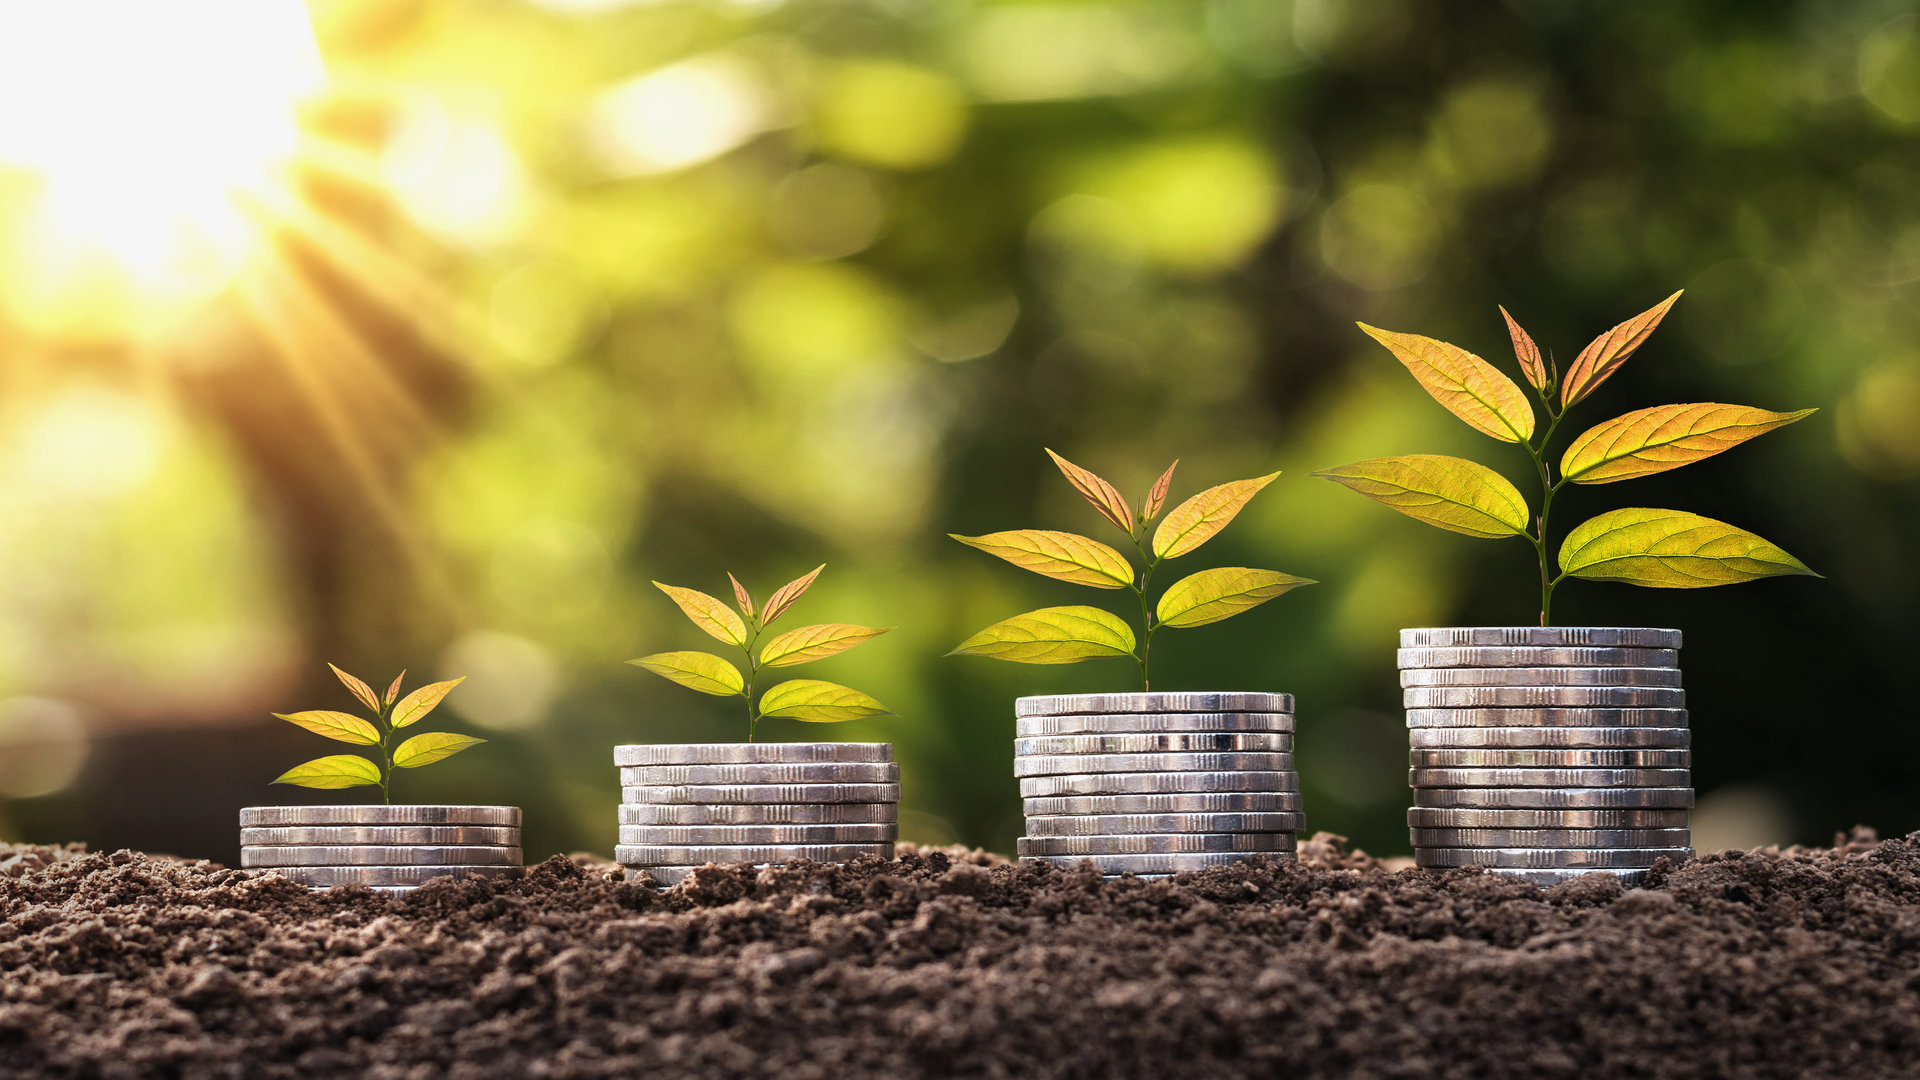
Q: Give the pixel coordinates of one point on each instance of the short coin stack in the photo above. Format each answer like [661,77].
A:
[1547,752]
[685,805]
[1156,783]
[387,848]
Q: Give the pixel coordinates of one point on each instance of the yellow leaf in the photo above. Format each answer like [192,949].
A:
[1526,352]
[815,643]
[1195,521]
[700,671]
[334,771]
[742,596]
[1056,635]
[338,726]
[1212,595]
[1468,386]
[1453,493]
[1665,437]
[431,747]
[1062,555]
[418,704]
[818,702]
[1157,498]
[783,598]
[708,613]
[1604,355]
[393,691]
[360,689]
[1670,549]
[1104,496]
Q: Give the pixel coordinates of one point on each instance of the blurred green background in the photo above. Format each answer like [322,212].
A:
[555,298]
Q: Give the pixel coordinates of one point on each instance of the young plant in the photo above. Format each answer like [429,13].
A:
[1665,549]
[810,700]
[1064,635]
[389,717]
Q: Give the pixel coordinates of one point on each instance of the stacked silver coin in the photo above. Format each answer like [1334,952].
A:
[687,805]
[1547,752]
[1156,783]
[387,848]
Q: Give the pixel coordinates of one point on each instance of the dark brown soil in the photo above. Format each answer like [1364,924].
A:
[1803,963]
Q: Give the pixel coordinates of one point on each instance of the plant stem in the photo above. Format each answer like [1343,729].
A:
[1548,487]
[386,766]
[753,669]
[1147,625]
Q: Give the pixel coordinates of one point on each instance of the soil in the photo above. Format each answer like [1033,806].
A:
[1795,963]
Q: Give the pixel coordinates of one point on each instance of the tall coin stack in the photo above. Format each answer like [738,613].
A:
[685,805]
[388,848]
[1156,783]
[1547,752]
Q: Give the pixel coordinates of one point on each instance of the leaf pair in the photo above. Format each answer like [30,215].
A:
[352,770]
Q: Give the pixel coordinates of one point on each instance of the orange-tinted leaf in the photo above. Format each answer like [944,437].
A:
[1664,437]
[1604,355]
[339,726]
[709,613]
[1670,549]
[360,689]
[816,643]
[1056,635]
[431,747]
[1527,353]
[1195,521]
[819,702]
[393,691]
[1104,496]
[1157,498]
[1061,555]
[1456,494]
[334,771]
[700,671]
[741,596]
[415,706]
[780,601]
[1212,595]
[1468,386]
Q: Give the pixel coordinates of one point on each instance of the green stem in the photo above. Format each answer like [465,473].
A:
[1147,625]
[386,754]
[1548,488]
[753,669]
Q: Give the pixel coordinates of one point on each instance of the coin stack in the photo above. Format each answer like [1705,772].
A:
[388,848]
[1156,783]
[686,805]
[1547,752]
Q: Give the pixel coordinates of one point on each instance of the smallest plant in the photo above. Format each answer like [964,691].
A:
[390,714]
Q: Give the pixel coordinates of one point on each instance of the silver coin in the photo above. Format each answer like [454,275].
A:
[1549,878]
[1155,864]
[1548,778]
[1119,824]
[378,855]
[1139,763]
[750,753]
[1550,858]
[824,772]
[700,854]
[694,835]
[762,793]
[1540,676]
[1157,702]
[1536,656]
[1428,817]
[379,815]
[1506,758]
[1541,717]
[402,835]
[1156,783]
[759,813]
[1515,738]
[1455,637]
[1226,802]
[1153,843]
[1656,798]
[1503,697]
[1189,742]
[1152,723]
[1551,838]
[328,876]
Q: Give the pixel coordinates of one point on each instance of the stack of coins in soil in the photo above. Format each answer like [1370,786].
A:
[1156,783]
[387,848]
[1547,752]
[686,805]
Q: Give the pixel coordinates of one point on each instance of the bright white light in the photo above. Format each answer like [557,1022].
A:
[678,116]
[455,176]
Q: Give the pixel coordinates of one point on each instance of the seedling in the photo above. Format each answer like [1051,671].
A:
[811,700]
[1064,635]
[389,717]
[1663,549]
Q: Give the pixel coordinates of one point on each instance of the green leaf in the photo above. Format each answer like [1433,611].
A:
[708,613]
[1665,437]
[415,706]
[335,771]
[700,671]
[815,643]
[431,747]
[1468,386]
[339,726]
[1670,549]
[1525,351]
[1604,355]
[360,689]
[785,595]
[1104,496]
[1453,493]
[1056,635]
[1200,518]
[1212,595]
[1062,555]
[818,702]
